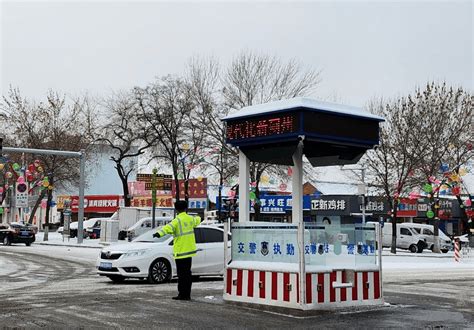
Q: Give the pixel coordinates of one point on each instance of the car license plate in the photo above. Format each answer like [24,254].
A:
[106,265]
[25,233]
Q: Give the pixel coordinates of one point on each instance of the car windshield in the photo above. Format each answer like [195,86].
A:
[148,237]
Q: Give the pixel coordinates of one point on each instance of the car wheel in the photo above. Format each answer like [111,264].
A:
[6,241]
[413,248]
[116,278]
[160,271]
[28,243]
[445,250]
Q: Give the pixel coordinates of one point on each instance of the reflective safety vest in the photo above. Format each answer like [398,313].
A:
[182,229]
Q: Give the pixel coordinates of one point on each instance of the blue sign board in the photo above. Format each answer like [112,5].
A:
[278,203]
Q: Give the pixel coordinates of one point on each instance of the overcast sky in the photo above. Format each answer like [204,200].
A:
[364,49]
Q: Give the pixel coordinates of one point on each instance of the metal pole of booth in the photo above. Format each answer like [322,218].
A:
[380,250]
[297,216]
[244,199]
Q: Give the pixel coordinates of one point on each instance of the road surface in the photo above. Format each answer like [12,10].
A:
[57,287]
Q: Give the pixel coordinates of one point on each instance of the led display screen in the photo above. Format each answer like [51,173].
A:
[341,126]
[261,127]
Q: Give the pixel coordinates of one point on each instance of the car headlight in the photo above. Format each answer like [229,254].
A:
[135,253]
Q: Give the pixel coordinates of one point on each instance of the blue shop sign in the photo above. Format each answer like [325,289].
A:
[281,203]
[277,203]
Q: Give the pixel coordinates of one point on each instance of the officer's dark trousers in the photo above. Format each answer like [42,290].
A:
[185,279]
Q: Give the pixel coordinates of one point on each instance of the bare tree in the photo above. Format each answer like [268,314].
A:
[170,114]
[253,79]
[126,134]
[53,124]
[393,162]
[220,158]
[446,132]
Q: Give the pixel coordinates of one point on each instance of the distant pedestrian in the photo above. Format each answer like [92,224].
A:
[184,246]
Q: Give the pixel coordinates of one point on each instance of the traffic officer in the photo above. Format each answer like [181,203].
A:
[184,246]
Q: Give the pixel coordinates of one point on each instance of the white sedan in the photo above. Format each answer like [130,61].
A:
[151,258]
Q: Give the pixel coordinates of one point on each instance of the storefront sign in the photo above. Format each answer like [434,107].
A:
[197,188]
[163,181]
[407,208]
[197,203]
[145,201]
[331,205]
[92,203]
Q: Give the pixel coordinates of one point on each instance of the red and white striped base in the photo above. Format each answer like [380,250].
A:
[457,254]
[330,289]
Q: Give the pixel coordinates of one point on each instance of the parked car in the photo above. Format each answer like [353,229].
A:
[87,226]
[92,227]
[16,233]
[407,237]
[145,224]
[427,231]
[33,227]
[151,258]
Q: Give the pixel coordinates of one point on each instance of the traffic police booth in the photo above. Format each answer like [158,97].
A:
[301,265]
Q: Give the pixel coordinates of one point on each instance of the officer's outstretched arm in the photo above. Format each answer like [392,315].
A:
[168,229]
[197,220]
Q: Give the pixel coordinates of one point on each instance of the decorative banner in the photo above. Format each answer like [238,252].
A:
[427,188]
[252,196]
[456,191]
[444,168]
[414,195]
[137,188]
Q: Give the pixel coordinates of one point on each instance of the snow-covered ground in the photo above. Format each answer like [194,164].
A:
[426,261]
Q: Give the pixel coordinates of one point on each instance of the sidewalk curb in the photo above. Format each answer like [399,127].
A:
[73,246]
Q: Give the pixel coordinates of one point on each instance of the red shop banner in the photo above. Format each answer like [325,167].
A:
[407,208]
[96,203]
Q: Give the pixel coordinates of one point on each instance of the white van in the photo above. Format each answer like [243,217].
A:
[145,224]
[407,237]
[427,231]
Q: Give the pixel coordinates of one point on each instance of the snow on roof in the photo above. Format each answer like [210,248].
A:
[299,102]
